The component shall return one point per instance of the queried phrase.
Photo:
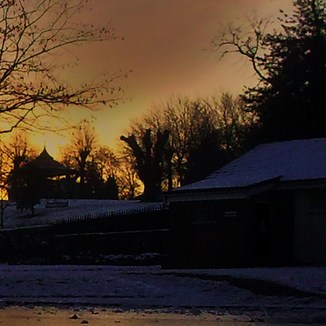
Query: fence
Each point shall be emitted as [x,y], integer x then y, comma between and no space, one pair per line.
[91,216]
[90,237]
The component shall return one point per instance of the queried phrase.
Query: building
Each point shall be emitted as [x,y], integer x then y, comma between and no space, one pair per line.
[47,165]
[47,176]
[268,207]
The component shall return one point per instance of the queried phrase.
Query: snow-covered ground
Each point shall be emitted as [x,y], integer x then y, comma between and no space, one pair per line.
[152,288]
[295,294]
[309,280]
[76,209]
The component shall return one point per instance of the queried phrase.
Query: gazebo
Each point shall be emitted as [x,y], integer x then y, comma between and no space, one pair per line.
[47,165]
[54,178]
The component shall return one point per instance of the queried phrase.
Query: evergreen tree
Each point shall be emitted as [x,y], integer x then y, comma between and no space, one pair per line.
[290,64]
[290,100]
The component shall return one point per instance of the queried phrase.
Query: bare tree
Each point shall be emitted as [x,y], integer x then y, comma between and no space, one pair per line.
[106,162]
[248,40]
[128,182]
[32,34]
[15,152]
[78,153]
[203,135]
[3,187]
[18,149]
[229,115]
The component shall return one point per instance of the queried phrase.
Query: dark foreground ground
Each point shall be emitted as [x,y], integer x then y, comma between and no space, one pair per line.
[107,295]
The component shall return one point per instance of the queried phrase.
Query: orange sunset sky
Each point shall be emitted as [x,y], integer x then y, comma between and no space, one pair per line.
[166,46]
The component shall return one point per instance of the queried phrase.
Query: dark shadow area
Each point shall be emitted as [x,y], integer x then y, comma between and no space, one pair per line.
[256,286]
[134,239]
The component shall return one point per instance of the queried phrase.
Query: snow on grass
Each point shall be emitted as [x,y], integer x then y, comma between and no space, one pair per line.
[311,280]
[76,209]
[154,288]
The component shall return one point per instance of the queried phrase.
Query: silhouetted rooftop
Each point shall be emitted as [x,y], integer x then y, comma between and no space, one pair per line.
[47,164]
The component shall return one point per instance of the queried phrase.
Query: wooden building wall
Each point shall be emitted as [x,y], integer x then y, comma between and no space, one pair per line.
[310,227]
[233,233]
[210,234]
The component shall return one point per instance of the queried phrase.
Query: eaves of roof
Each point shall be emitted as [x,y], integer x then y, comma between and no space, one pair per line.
[243,192]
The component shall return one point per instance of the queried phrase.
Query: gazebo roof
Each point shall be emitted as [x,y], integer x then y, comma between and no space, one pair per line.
[47,165]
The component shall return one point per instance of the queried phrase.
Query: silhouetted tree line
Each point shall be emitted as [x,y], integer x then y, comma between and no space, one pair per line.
[288,102]
[183,140]
[88,170]
[175,143]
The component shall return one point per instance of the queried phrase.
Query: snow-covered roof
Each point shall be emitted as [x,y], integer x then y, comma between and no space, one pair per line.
[296,160]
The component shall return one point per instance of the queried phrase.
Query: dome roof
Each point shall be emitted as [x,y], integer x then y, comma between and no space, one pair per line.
[47,165]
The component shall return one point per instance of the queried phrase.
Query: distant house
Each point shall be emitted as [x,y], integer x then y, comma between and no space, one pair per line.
[268,207]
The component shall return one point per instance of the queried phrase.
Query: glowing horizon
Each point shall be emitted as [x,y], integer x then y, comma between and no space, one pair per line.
[166,46]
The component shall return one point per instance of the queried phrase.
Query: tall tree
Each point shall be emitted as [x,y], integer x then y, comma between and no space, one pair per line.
[18,150]
[106,161]
[25,188]
[127,179]
[233,121]
[78,153]
[148,152]
[3,187]
[290,64]
[32,34]
[101,173]
[204,153]
[15,153]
